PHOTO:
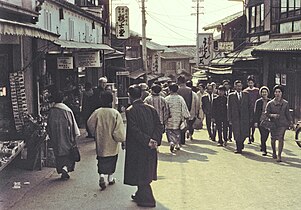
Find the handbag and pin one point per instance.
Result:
(267, 123)
(74, 152)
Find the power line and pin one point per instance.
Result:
(167, 27)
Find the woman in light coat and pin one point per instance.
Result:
(107, 126)
(278, 110)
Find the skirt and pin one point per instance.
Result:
(107, 165)
(278, 133)
(62, 161)
(173, 135)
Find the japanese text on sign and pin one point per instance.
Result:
(65, 63)
(87, 59)
(122, 22)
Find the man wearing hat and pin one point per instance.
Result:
(219, 115)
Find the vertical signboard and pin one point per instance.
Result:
(205, 48)
(122, 22)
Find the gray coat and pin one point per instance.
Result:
(239, 115)
(281, 108)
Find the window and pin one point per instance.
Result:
(87, 34)
(256, 18)
(286, 27)
(47, 20)
(297, 26)
(290, 5)
(71, 29)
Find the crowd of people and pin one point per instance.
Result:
(176, 108)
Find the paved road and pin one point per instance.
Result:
(200, 176)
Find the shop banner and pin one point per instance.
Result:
(205, 48)
(87, 59)
(65, 63)
(122, 22)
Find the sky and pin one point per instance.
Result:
(170, 22)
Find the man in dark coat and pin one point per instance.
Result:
(143, 136)
(239, 115)
(186, 93)
(207, 101)
(219, 115)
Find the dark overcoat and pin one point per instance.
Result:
(143, 124)
(239, 115)
(219, 109)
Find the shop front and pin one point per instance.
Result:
(18, 84)
(282, 65)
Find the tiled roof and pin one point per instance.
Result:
(280, 45)
(224, 21)
(189, 50)
(154, 46)
(174, 55)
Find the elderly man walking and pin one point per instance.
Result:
(143, 136)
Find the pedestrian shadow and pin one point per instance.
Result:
(182, 156)
(287, 161)
(203, 141)
(256, 147)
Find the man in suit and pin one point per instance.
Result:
(239, 115)
(226, 84)
(143, 136)
(207, 101)
(219, 115)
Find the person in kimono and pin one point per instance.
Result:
(159, 103)
(63, 130)
(107, 126)
(143, 136)
(178, 113)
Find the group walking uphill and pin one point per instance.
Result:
(227, 112)
(176, 108)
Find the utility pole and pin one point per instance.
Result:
(197, 30)
(144, 50)
(197, 34)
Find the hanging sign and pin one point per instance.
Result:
(122, 22)
(87, 59)
(65, 63)
(206, 48)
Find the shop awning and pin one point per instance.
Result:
(82, 45)
(163, 79)
(214, 70)
(8, 27)
(280, 45)
(244, 54)
(136, 74)
(152, 76)
(199, 76)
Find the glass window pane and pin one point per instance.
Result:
(262, 14)
(297, 26)
(252, 17)
(298, 4)
(258, 16)
(283, 5)
(286, 28)
(291, 5)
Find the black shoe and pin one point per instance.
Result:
(150, 205)
(249, 142)
(230, 140)
(102, 183)
(134, 198)
(172, 148)
(220, 144)
(237, 151)
(65, 175)
(264, 154)
(112, 182)
(274, 156)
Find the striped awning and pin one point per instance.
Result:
(8, 27)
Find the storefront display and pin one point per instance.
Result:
(9, 150)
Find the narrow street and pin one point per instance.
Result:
(200, 176)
